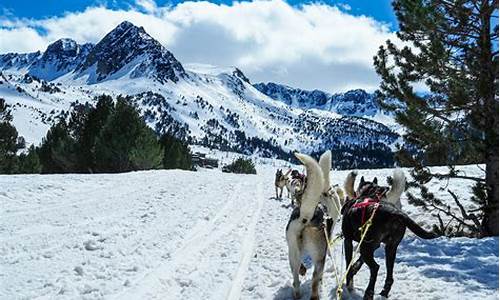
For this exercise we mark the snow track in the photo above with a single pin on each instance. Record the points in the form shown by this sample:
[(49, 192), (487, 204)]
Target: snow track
[(248, 250), (218, 230), (194, 235)]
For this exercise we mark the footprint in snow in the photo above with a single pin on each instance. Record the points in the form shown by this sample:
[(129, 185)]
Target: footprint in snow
[(91, 245)]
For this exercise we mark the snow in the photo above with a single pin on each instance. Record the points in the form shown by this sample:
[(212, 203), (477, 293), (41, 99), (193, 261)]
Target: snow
[(68, 44), (171, 234), (208, 69)]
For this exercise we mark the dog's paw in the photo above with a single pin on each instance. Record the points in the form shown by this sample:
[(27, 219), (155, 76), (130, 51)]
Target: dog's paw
[(384, 293), (368, 296)]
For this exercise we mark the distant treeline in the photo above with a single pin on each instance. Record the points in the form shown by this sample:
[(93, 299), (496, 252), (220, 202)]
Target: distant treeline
[(110, 137)]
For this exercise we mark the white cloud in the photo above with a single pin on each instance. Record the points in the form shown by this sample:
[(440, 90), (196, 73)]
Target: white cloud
[(148, 6), (310, 46), (344, 6), (20, 39)]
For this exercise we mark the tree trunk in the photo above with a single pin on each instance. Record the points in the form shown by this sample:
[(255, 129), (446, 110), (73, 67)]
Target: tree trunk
[(490, 222), (488, 84)]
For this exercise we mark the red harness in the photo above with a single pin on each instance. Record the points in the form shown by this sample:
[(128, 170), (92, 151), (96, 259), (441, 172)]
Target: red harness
[(367, 202)]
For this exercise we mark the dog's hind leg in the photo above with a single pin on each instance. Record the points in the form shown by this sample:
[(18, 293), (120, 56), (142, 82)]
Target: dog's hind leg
[(317, 277), (292, 237), (367, 255), (348, 258), (390, 257)]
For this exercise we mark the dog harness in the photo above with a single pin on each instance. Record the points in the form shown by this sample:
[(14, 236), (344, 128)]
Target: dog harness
[(363, 205), (375, 201)]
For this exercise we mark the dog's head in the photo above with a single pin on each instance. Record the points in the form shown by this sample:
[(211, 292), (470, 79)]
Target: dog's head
[(279, 174), (369, 188)]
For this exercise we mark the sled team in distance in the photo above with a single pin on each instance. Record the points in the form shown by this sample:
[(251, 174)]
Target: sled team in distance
[(371, 215)]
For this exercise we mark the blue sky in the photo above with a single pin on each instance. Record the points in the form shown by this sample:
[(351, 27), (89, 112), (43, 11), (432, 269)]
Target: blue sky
[(378, 9), (327, 45)]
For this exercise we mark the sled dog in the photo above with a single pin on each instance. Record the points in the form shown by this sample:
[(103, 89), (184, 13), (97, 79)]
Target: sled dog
[(280, 181), (305, 231), (388, 226)]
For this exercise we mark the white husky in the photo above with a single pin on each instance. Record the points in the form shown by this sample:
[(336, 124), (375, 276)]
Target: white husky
[(305, 232)]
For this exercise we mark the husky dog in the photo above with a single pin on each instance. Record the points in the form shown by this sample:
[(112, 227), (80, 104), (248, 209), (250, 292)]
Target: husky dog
[(393, 195), (305, 232), (388, 226), (280, 181), (296, 187)]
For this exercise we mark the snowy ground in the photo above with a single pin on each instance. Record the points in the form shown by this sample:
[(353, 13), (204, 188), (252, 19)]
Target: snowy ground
[(195, 235)]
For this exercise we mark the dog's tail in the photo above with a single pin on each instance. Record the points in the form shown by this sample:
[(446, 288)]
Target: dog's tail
[(340, 193), (314, 187), (325, 162), (338, 202), (397, 188), (417, 229), (349, 184)]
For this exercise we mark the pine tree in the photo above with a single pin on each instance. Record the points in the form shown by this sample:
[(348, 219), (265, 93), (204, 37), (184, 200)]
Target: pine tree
[(451, 48), (29, 163), (147, 153), (8, 141), (58, 151), (176, 154), (94, 122), (240, 166), (125, 142)]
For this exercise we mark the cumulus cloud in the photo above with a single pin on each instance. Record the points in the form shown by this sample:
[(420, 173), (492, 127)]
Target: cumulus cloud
[(313, 46)]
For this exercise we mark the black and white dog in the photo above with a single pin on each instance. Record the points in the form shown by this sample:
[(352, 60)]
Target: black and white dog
[(305, 232), (388, 226)]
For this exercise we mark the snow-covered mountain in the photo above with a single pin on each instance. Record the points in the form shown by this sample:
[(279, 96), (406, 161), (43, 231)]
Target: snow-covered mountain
[(352, 103), (129, 48), (206, 105)]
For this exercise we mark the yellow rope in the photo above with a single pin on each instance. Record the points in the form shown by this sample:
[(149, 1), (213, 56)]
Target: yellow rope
[(329, 245), (364, 229)]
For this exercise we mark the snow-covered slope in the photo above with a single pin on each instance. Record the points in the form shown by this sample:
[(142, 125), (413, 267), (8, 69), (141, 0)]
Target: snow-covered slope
[(212, 106), (352, 103), (199, 235)]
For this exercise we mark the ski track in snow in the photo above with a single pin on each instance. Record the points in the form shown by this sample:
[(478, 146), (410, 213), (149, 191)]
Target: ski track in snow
[(195, 235)]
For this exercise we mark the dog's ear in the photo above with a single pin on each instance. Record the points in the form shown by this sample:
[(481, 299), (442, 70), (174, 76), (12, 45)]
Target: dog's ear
[(375, 181), (362, 180)]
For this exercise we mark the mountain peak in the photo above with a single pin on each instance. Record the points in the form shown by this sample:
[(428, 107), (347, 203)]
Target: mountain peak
[(125, 25), (64, 45), (60, 57), (127, 29), (131, 46)]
